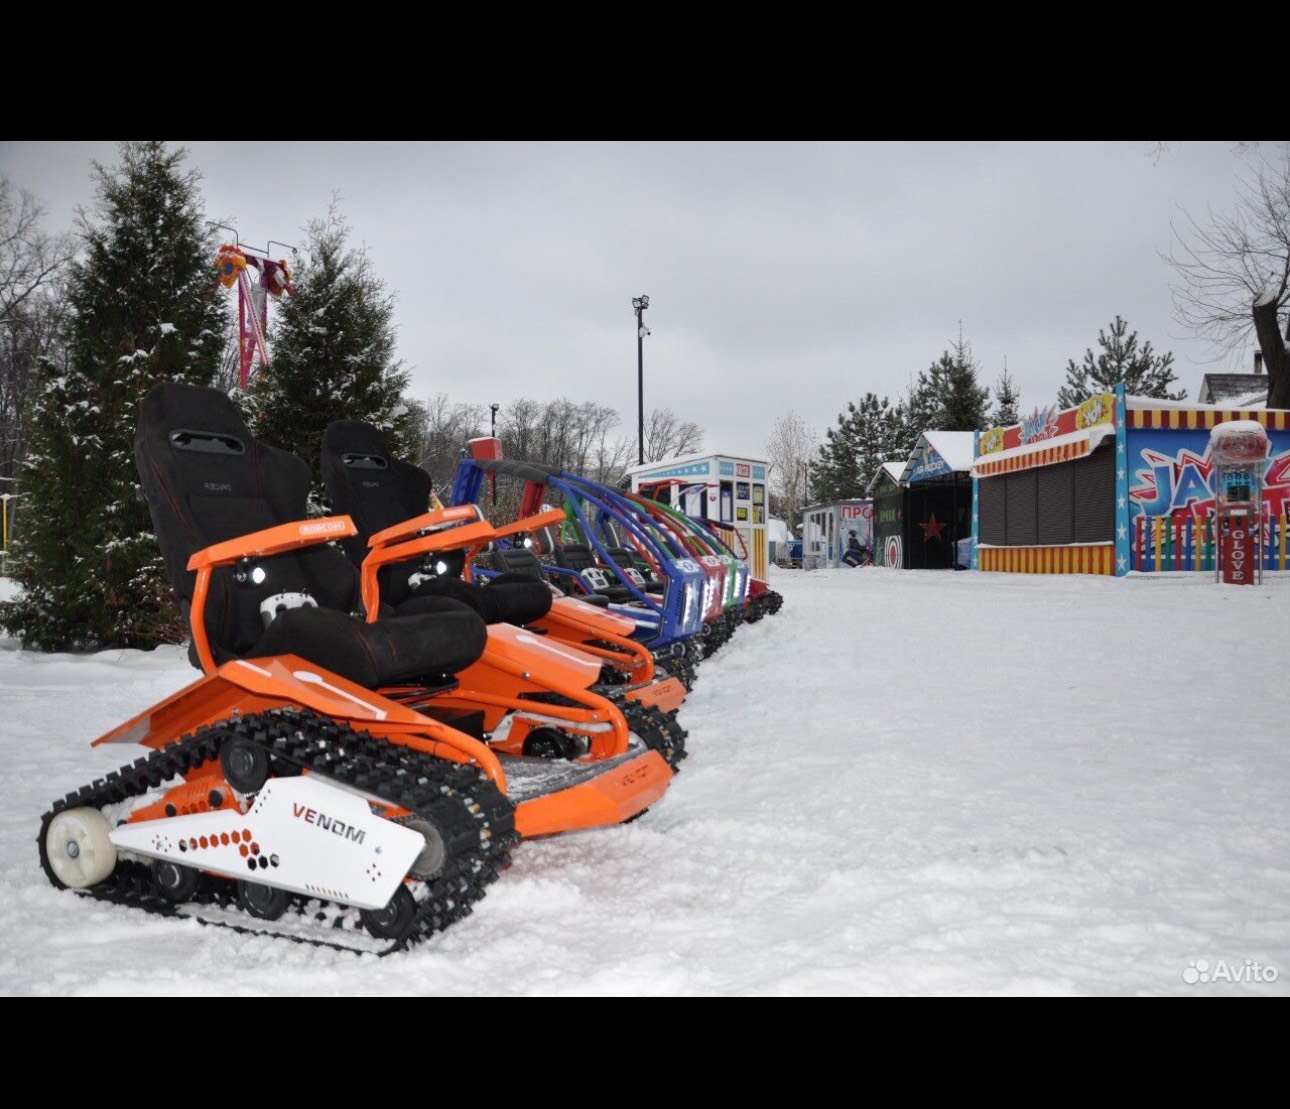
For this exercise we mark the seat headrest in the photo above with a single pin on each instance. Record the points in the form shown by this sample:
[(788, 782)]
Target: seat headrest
[(172, 407), (355, 444)]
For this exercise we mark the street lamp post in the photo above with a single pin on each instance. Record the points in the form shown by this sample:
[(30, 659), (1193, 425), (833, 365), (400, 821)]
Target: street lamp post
[(492, 477), (640, 303)]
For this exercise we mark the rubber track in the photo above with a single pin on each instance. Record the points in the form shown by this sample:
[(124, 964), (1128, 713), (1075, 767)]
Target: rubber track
[(658, 729), (680, 668), (474, 817)]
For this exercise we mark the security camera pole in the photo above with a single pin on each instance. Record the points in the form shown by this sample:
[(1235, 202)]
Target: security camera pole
[(640, 303), (492, 478)]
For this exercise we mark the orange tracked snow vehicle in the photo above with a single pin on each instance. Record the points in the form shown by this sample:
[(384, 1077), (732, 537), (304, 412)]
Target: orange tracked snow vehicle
[(400, 558), (331, 779)]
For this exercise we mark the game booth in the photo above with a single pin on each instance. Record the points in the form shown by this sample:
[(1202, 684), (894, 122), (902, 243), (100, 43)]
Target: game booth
[(837, 533), (1124, 484), (726, 492), (922, 508), (888, 499)]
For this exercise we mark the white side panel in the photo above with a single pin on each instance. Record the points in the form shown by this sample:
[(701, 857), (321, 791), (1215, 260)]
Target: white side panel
[(302, 834)]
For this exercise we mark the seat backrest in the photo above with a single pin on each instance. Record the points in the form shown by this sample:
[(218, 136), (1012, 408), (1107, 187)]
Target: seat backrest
[(629, 560), (518, 560), (575, 556), (207, 480), (376, 490)]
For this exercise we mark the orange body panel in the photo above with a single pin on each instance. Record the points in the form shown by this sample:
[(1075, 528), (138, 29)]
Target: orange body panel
[(666, 695), (598, 620), (575, 622), (610, 799), (536, 522), (439, 518), (516, 661), (193, 796), (256, 685), (288, 681), (273, 541)]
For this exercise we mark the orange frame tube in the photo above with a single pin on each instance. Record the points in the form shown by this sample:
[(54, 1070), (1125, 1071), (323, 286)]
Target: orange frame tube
[(256, 544)]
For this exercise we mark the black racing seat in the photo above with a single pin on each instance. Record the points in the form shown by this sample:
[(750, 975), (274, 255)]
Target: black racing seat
[(579, 558), (365, 482), (206, 481), (520, 560), (630, 561)]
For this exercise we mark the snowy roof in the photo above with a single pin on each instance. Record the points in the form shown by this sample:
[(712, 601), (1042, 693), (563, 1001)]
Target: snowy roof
[(838, 502), (689, 459), (1140, 403), (1241, 390), (954, 447), (892, 469)]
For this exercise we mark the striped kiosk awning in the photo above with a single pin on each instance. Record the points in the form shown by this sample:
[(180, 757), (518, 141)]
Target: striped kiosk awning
[(1179, 419), (1047, 452)]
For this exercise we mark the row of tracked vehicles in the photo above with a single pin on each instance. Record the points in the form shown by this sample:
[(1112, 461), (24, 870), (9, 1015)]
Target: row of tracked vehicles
[(393, 696)]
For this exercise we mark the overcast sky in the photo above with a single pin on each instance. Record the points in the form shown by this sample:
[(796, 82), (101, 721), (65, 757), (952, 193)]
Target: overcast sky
[(781, 276)]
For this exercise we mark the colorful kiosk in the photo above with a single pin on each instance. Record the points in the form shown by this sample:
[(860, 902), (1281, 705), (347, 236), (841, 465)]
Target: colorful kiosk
[(938, 501), (837, 533), (922, 508), (888, 498), (727, 493), (1116, 485)]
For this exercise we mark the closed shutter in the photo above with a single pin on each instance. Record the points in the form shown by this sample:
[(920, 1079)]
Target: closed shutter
[(1094, 480), (992, 510), (1056, 487), (1023, 516)]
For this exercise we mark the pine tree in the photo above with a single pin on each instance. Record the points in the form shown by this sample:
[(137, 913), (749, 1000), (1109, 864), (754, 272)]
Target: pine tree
[(919, 410), (964, 402), (863, 440), (333, 353), (1007, 398), (141, 310), (1144, 373)]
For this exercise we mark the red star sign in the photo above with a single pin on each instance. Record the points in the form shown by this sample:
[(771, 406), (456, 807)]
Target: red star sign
[(931, 529)]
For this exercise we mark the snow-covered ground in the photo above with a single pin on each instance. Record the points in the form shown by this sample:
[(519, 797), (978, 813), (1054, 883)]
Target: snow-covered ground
[(904, 783)]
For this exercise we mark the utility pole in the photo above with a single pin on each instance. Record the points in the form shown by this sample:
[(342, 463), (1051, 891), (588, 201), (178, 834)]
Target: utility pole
[(640, 303)]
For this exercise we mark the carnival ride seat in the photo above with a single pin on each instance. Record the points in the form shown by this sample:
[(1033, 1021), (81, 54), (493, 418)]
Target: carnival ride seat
[(631, 563), (208, 482), (580, 558), (377, 491), (520, 560)]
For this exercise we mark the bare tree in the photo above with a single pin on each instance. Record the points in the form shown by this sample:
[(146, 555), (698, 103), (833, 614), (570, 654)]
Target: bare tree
[(569, 435), (1234, 273), (446, 427), (31, 309), (577, 436), (610, 458), (791, 446), (668, 436)]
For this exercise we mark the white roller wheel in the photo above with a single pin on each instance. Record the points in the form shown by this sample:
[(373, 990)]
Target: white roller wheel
[(79, 849)]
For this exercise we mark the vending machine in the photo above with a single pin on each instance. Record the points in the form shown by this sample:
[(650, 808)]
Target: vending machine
[(1238, 450)]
